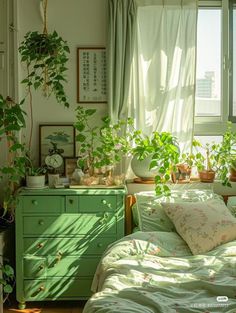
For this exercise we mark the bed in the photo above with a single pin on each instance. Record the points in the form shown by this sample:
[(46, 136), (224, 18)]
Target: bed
[(155, 270)]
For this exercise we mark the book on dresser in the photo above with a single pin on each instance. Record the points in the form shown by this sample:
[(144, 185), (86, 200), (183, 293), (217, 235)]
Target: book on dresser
[(60, 237)]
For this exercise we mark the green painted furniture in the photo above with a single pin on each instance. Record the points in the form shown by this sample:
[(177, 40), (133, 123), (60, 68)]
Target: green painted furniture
[(60, 237)]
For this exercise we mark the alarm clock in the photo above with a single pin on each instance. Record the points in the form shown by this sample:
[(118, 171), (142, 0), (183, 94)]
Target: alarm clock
[(54, 160)]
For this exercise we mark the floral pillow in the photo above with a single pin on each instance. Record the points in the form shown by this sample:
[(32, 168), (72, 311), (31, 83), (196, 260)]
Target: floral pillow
[(203, 225)]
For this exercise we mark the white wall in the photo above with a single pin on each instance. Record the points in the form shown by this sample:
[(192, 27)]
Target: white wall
[(81, 23)]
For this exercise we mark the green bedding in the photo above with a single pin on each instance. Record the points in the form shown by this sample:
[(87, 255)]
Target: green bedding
[(155, 272)]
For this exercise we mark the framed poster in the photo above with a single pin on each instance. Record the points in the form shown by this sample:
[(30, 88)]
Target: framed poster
[(56, 139), (91, 75)]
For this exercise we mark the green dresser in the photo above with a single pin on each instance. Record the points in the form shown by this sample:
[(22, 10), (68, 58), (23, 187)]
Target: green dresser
[(60, 237)]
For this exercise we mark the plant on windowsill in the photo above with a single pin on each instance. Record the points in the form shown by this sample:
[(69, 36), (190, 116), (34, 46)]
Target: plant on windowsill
[(159, 154), (225, 157)]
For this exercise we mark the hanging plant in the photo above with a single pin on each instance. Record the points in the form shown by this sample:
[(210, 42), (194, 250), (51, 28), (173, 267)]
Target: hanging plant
[(45, 56)]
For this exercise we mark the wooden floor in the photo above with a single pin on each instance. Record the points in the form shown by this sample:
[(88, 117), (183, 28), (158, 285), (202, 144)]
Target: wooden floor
[(48, 307)]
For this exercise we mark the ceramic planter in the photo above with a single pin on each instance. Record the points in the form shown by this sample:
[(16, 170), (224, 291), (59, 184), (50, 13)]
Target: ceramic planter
[(141, 168), (35, 182)]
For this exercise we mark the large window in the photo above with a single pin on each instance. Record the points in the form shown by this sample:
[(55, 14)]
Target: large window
[(232, 65), (208, 66)]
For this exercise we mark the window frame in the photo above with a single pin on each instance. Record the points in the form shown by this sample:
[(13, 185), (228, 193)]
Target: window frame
[(216, 125)]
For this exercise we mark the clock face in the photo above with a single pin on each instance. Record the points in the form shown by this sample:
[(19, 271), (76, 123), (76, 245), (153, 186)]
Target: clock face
[(54, 160)]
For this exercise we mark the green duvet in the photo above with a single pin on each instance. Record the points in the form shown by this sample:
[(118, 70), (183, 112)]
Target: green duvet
[(156, 272)]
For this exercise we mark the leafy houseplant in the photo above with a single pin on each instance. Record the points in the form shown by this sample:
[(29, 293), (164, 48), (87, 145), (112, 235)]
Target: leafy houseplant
[(163, 153), (35, 176), (225, 157), (12, 120), (7, 280), (103, 146), (45, 57)]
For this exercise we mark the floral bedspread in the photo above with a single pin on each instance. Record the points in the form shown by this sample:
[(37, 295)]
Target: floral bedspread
[(155, 272)]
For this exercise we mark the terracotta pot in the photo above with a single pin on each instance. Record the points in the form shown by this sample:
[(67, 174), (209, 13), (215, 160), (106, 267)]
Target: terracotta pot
[(232, 176), (206, 176)]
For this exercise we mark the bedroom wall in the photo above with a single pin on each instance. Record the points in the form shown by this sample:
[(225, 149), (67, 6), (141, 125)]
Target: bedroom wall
[(81, 23)]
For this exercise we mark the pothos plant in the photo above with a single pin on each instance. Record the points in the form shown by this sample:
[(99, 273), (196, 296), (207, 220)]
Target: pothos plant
[(164, 151), (45, 56), (12, 120)]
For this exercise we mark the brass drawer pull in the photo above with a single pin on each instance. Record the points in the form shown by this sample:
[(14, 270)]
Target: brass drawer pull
[(41, 267), (34, 202), (40, 245), (104, 201), (99, 245), (41, 288), (41, 222), (58, 257)]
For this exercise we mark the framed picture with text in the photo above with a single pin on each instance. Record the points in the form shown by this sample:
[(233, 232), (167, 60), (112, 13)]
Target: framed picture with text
[(91, 75)]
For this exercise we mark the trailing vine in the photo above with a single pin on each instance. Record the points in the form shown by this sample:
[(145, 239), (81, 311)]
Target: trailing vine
[(45, 56)]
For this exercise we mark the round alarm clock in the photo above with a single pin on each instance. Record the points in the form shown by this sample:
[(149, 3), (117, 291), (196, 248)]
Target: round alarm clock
[(54, 160)]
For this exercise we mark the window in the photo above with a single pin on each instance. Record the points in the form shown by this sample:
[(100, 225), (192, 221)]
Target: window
[(212, 68), (208, 66), (232, 64)]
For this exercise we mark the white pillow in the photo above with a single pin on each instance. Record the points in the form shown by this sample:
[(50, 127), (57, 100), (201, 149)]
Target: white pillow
[(203, 225), (151, 215)]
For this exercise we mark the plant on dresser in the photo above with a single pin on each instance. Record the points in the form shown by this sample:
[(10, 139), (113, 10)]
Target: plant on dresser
[(60, 236)]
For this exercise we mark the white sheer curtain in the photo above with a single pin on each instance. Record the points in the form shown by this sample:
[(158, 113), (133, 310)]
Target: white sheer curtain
[(162, 89)]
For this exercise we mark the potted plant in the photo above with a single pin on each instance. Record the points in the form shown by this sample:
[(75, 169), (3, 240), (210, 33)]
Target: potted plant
[(101, 147), (207, 173), (225, 157), (35, 176), (158, 156), (45, 56)]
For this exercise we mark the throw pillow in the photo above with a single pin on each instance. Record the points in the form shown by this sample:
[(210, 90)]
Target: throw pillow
[(203, 225)]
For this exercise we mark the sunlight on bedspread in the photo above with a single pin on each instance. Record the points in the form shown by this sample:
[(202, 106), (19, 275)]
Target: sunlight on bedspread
[(156, 272)]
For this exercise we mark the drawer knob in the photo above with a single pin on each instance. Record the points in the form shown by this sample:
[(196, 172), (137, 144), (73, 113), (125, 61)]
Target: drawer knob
[(41, 267), (99, 245), (104, 201), (41, 222), (41, 288), (40, 245), (34, 202)]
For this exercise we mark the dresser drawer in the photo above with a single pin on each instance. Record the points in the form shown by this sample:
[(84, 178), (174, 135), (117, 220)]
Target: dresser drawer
[(57, 289), (91, 203), (68, 246), (70, 224), (42, 204), (59, 266)]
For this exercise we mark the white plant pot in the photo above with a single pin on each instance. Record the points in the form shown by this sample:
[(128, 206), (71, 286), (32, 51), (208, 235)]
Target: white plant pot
[(35, 181), (141, 168)]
